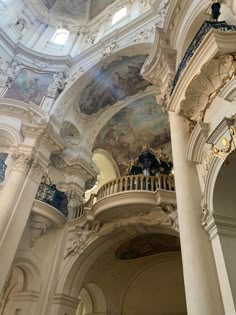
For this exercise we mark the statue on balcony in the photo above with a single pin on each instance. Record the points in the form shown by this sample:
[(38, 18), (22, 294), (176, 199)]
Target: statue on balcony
[(150, 163)]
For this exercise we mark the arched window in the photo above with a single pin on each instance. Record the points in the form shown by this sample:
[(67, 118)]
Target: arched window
[(60, 37), (119, 15)]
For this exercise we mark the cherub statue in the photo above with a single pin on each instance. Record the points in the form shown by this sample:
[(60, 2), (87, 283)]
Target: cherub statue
[(57, 85)]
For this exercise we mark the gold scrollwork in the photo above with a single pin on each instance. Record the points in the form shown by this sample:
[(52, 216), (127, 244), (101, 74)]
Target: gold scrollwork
[(226, 145), (232, 131)]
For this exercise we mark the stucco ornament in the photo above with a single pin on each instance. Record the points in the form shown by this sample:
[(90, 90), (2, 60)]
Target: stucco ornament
[(22, 161), (57, 85), (84, 235), (206, 86), (38, 226), (8, 72)]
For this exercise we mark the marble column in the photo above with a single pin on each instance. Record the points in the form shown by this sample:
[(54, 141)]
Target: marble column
[(200, 277), (16, 201)]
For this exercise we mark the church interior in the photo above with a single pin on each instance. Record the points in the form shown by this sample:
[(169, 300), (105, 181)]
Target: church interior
[(117, 157)]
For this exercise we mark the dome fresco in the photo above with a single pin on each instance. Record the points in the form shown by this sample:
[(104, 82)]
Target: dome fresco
[(121, 78), (141, 122), (77, 8)]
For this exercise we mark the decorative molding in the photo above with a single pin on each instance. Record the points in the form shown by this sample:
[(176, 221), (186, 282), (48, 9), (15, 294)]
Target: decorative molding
[(159, 67), (229, 91), (31, 114), (218, 225), (215, 43), (196, 143), (77, 166), (223, 139), (50, 213), (22, 161), (205, 86), (38, 227), (52, 141), (36, 170), (83, 235)]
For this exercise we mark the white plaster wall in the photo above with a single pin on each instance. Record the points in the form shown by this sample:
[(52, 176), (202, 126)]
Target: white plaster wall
[(158, 290)]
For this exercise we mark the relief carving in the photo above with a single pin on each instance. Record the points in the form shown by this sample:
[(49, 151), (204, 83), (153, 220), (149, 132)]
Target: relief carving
[(84, 235)]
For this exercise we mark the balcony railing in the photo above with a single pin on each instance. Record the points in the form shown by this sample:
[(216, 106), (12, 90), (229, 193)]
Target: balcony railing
[(53, 197), (2, 170), (205, 28), (137, 182)]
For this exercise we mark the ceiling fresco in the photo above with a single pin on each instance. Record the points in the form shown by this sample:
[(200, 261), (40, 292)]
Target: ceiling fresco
[(49, 3), (98, 6), (120, 79), (147, 245), (141, 122), (77, 8)]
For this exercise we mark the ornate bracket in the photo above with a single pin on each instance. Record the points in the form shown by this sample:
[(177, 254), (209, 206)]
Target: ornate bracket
[(38, 226)]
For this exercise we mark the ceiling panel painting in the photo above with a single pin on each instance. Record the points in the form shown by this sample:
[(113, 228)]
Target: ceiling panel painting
[(49, 3), (97, 6), (121, 78), (72, 8), (141, 122)]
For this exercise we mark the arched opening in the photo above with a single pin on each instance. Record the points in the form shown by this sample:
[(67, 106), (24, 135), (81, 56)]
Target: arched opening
[(136, 275), (224, 213)]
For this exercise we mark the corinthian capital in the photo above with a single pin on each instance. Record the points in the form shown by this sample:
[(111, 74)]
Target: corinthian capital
[(36, 170), (22, 161)]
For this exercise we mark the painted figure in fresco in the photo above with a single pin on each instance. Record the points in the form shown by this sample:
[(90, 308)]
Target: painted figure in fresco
[(57, 85), (30, 89), (12, 72), (8, 72), (3, 72)]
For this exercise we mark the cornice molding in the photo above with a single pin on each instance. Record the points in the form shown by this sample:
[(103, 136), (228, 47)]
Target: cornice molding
[(196, 143), (28, 113), (48, 212), (214, 44)]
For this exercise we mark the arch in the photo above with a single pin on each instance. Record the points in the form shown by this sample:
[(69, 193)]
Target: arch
[(86, 303), (166, 265), (31, 266), (102, 158), (9, 136), (223, 196), (63, 102), (75, 269)]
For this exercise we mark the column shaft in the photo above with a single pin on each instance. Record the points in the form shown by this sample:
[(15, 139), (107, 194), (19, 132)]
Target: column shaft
[(200, 277)]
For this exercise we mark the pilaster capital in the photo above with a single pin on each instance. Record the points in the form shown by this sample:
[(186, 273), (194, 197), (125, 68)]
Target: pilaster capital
[(22, 161), (36, 170)]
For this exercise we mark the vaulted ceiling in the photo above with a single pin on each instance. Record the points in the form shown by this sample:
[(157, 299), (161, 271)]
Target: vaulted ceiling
[(86, 9)]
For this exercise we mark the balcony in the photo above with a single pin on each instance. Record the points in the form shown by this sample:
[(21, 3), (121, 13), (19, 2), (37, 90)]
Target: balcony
[(53, 197), (203, 31), (130, 195)]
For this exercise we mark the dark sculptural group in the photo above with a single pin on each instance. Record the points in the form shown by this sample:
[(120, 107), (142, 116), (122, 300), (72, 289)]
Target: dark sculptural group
[(148, 163)]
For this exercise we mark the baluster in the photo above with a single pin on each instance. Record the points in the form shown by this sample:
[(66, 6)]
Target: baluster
[(132, 182), (141, 182), (159, 181), (126, 184), (165, 179), (115, 185), (152, 178)]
